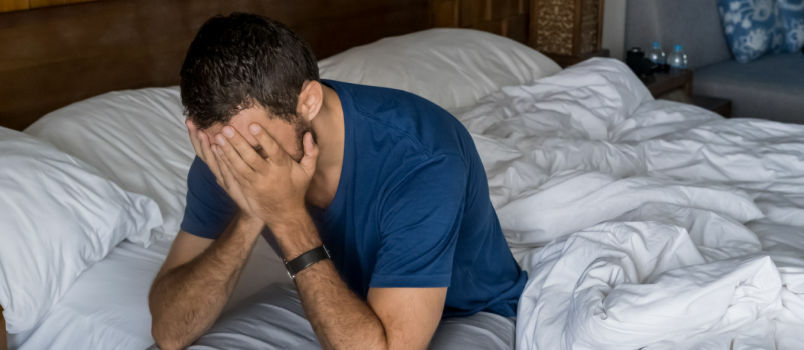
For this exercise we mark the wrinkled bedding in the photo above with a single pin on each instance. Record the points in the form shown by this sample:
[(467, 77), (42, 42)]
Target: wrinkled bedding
[(644, 224)]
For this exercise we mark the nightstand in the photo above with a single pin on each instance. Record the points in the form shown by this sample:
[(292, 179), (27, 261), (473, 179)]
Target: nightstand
[(565, 61), (677, 86)]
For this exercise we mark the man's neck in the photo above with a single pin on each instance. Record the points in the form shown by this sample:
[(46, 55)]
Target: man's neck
[(330, 133)]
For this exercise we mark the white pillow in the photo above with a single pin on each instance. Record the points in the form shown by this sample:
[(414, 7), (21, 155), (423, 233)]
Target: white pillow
[(136, 138), (451, 67), (57, 217)]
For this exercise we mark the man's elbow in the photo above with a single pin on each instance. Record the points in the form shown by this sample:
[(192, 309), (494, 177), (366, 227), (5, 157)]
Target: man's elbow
[(160, 328), (162, 345), (164, 341)]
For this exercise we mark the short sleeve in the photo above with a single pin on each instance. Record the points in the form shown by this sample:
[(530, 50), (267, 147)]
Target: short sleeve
[(209, 208), (419, 224)]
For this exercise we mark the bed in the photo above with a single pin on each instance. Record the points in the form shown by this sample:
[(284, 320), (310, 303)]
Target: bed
[(642, 223)]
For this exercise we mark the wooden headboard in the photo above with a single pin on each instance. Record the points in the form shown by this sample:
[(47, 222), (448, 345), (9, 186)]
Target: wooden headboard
[(53, 56)]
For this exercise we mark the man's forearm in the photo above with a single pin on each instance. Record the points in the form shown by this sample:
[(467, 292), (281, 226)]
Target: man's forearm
[(340, 319), (185, 301)]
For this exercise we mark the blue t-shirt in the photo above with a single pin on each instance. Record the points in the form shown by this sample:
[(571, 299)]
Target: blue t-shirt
[(412, 208)]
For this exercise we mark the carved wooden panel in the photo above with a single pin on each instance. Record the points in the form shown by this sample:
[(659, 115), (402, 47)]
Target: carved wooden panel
[(566, 27), (552, 25)]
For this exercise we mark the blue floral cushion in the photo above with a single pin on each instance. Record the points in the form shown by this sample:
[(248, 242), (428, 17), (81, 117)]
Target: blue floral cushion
[(752, 27), (791, 13)]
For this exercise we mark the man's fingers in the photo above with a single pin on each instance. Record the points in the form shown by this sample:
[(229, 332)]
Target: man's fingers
[(310, 159), (207, 156), (227, 169), (225, 173), (247, 153), (234, 160), (268, 144)]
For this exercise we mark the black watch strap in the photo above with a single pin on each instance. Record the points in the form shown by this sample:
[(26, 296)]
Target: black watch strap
[(306, 260)]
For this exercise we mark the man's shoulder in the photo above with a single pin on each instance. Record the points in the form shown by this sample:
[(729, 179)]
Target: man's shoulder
[(373, 100), (413, 120)]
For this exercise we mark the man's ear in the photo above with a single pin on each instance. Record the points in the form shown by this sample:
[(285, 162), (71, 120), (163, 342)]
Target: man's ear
[(311, 99)]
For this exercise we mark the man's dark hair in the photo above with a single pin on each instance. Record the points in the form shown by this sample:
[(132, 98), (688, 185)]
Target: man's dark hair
[(241, 60)]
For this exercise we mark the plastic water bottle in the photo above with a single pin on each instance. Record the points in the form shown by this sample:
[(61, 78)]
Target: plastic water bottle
[(677, 59), (656, 55)]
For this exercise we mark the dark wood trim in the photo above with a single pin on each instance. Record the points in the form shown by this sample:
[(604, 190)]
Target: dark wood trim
[(576, 28), (601, 15), (662, 83), (677, 86), (3, 335), (566, 61)]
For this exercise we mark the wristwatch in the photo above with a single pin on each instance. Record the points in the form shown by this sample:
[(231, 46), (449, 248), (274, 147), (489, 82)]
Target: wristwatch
[(306, 260)]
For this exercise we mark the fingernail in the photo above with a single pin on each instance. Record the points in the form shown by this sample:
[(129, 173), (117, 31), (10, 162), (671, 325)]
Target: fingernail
[(220, 139), (228, 132), (254, 129)]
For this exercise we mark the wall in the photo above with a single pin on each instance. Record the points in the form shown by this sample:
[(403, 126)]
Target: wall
[(614, 28)]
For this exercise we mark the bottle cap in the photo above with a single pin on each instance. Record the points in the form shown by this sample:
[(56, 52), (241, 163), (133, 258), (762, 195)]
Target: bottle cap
[(657, 45), (678, 48)]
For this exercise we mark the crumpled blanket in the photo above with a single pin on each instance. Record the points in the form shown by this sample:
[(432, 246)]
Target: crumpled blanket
[(642, 223)]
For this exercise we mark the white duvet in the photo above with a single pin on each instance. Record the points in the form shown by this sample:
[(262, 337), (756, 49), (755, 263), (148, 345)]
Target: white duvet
[(644, 224)]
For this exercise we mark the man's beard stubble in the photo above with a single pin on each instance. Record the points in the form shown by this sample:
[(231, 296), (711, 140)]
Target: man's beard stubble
[(302, 127)]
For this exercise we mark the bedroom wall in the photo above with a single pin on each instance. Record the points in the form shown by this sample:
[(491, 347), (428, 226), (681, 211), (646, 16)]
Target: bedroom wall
[(614, 27)]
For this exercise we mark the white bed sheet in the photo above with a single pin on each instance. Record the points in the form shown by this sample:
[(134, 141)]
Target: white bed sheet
[(107, 307)]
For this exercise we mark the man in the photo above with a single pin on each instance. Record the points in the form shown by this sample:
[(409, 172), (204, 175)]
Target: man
[(375, 197)]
